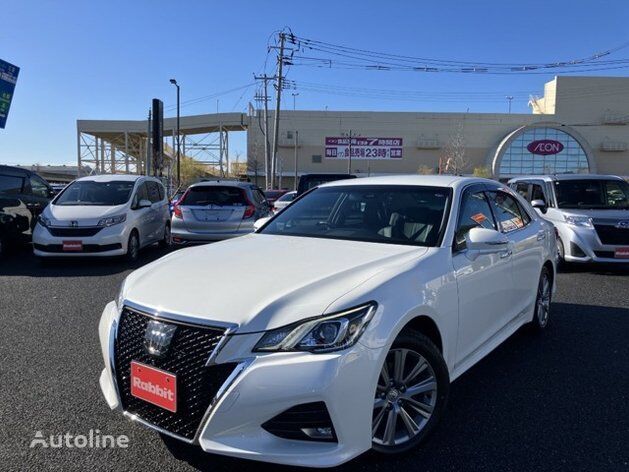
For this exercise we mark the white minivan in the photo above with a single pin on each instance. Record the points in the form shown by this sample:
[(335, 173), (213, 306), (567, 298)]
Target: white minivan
[(104, 215)]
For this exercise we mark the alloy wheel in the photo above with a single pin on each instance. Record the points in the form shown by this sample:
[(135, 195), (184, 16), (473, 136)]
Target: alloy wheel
[(406, 397), (134, 247), (543, 300)]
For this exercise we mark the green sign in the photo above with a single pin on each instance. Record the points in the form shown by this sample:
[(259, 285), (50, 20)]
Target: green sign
[(8, 79)]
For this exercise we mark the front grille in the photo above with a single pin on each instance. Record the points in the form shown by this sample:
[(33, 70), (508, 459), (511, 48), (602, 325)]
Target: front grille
[(73, 232), (187, 355), (296, 422), (605, 254), (611, 235)]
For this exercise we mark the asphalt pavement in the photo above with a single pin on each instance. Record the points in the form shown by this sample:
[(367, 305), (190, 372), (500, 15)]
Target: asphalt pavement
[(559, 401)]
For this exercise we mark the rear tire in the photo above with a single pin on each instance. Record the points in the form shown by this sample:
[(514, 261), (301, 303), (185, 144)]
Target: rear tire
[(410, 399), (133, 247), (542, 301)]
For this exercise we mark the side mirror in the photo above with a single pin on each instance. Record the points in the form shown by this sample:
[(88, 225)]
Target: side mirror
[(260, 223), (540, 205), (144, 203), (485, 241)]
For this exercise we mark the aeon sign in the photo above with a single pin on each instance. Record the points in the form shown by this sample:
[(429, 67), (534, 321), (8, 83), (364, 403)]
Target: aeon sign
[(545, 147)]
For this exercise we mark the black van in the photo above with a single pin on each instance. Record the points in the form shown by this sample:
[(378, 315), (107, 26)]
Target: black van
[(308, 181), (23, 196)]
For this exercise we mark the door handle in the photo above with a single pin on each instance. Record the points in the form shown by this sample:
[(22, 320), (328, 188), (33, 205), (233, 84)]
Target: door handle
[(507, 253), (541, 235)]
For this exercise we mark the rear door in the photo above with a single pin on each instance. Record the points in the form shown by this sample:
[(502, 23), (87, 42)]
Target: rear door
[(214, 208), (15, 216), (156, 222), (525, 235)]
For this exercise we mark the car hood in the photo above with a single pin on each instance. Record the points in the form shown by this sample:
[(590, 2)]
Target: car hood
[(84, 215), (260, 282)]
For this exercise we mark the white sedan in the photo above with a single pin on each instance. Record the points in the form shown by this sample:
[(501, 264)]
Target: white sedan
[(337, 327)]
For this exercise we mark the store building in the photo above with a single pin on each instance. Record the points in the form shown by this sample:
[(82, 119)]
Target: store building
[(579, 125)]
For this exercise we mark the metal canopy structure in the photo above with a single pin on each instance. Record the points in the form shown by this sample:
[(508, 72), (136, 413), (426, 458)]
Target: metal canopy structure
[(120, 147)]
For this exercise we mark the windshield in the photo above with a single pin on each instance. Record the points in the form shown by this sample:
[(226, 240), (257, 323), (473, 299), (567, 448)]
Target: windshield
[(592, 194), (88, 192), (379, 213), (287, 197), (220, 195)]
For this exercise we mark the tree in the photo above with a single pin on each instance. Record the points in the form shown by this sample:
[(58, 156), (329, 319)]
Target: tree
[(425, 170), (453, 159), (482, 172)]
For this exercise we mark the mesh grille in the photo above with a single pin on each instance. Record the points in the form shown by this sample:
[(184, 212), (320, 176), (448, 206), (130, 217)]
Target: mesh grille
[(612, 235), (73, 232), (189, 350)]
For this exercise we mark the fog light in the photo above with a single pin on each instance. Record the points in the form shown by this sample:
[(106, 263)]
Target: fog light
[(318, 433)]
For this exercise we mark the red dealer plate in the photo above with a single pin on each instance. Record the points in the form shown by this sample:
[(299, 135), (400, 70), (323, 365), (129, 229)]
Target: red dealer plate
[(622, 253), (154, 386), (71, 246)]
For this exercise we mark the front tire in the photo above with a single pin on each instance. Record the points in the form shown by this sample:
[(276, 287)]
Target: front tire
[(133, 247), (411, 394)]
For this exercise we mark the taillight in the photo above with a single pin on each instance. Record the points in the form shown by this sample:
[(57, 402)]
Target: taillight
[(249, 211), (177, 212)]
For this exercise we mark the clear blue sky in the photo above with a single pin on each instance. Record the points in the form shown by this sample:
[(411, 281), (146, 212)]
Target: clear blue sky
[(107, 59)]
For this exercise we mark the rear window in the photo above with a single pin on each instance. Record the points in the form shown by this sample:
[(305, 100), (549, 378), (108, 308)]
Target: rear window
[(221, 196)]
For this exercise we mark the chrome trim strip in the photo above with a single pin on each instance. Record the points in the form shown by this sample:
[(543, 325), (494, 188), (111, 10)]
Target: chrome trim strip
[(239, 369), (113, 335), (160, 314), (148, 425)]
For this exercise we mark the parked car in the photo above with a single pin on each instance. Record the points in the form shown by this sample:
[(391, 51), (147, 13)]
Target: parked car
[(335, 328), (308, 181), (272, 195), (284, 201), (590, 213), (215, 210), (23, 196), (104, 215)]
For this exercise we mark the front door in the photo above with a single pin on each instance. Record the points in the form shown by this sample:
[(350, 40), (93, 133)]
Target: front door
[(485, 282)]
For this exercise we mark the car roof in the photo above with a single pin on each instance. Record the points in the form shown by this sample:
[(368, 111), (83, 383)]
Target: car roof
[(561, 177), (115, 177), (15, 171), (223, 183), (452, 181)]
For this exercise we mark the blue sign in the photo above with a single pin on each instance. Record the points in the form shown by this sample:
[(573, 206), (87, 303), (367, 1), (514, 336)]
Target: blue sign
[(8, 78)]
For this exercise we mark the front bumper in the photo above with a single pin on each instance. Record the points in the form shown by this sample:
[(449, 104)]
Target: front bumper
[(109, 241), (584, 245), (265, 385)]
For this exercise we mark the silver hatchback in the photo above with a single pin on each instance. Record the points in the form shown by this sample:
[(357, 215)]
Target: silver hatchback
[(216, 210)]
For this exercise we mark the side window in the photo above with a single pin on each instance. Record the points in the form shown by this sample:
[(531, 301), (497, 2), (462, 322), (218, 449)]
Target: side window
[(11, 185), (537, 193), (259, 196), (508, 212), (140, 194), (523, 189), (162, 192), (153, 191), (475, 213), (39, 187)]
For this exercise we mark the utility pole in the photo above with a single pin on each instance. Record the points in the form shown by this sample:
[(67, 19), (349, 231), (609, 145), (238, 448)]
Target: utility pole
[(509, 98), (267, 144), (278, 98), (294, 94), (296, 146), (174, 82), (147, 169)]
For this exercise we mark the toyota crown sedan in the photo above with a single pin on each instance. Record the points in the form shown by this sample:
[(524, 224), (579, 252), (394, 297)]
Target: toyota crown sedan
[(384, 291)]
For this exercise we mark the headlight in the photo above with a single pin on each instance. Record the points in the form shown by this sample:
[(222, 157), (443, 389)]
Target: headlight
[(323, 334), (112, 220), (42, 220), (583, 221), (120, 297)]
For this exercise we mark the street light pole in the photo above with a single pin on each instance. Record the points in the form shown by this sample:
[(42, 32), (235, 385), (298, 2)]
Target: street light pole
[(294, 94), (174, 82)]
